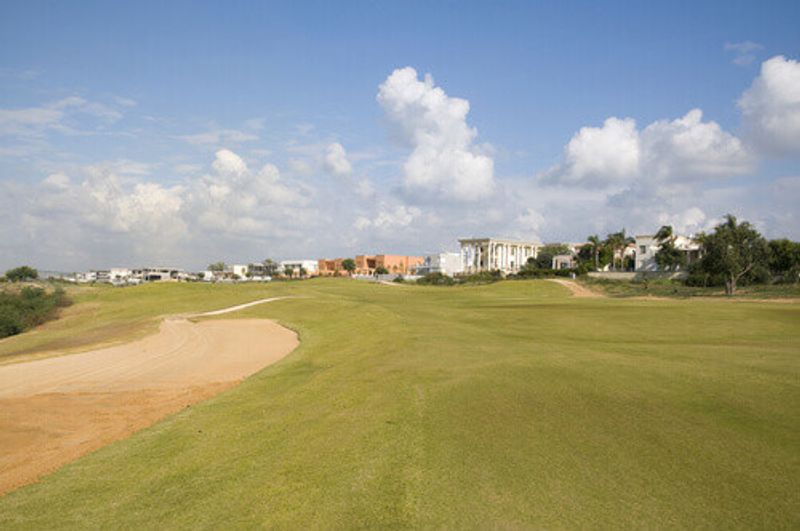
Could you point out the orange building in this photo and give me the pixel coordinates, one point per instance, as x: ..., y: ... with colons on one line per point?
x: 331, y: 268
x: 393, y: 263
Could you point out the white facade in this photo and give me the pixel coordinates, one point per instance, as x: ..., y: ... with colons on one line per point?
x: 309, y: 266
x: 239, y: 271
x: 647, y: 246
x: 446, y: 263
x: 488, y: 254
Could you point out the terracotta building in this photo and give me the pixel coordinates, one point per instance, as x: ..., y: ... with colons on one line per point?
x: 393, y: 263
x: 331, y: 268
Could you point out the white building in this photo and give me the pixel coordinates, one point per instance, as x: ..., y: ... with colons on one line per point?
x: 158, y: 274
x: 237, y: 271
x: 309, y: 266
x: 446, y: 263
x: 487, y: 254
x: 647, y: 246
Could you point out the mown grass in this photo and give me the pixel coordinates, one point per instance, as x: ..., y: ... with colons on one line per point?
x: 508, y: 405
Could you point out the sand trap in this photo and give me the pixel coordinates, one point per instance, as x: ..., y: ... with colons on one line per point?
x: 576, y: 289
x: 55, y: 410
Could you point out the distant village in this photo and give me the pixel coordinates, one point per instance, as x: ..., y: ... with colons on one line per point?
x: 477, y: 255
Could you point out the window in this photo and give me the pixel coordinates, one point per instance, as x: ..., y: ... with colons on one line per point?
x: 643, y: 249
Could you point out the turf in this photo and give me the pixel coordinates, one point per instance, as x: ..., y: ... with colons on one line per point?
x: 509, y: 405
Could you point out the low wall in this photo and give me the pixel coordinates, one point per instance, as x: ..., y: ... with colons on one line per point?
x: 638, y: 275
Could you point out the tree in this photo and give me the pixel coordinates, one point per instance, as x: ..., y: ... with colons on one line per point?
x: 217, y: 267
x: 595, y: 244
x: 303, y: 272
x: 668, y: 257
x: 380, y: 270
x: 22, y: 273
x: 784, y: 259
x: 288, y: 271
x: 545, y: 254
x: 618, y: 241
x: 270, y: 267
x: 733, y: 250
x: 349, y: 265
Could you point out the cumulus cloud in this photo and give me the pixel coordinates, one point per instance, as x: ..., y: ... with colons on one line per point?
x: 688, y: 148
x: 444, y: 159
x: 600, y: 155
x: 336, y: 162
x: 107, y: 214
x: 771, y: 107
x: 617, y: 153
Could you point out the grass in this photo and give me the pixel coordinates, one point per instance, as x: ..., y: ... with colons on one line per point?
x: 508, y: 405
x: 676, y: 288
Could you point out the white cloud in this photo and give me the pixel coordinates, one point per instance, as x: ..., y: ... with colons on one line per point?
x: 528, y: 224
x: 365, y: 189
x: 53, y: 116
x: 444, y: 159
x: 219, y: 137
x: 58, y: 181
x: 686, y: 148
x: 745, y: 51
x: 771, y: 107
x: 336, y: 162
x: 398, y: 216
x: 227, y: 163
x: 600, y: 155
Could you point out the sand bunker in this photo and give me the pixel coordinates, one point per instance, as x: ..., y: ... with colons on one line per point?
x: 55, y: 410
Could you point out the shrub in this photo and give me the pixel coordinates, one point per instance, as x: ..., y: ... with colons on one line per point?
x: 436, y: 279
x: 28, y: 308
x: 22, y: 273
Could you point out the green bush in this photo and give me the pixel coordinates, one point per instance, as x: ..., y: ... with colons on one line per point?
x: 28, y: 308
x: 436, y: 279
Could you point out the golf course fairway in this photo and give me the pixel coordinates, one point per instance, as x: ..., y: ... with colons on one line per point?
x: 510, y: 405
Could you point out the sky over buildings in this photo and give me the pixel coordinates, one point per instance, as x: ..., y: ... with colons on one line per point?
x: 187, y: 132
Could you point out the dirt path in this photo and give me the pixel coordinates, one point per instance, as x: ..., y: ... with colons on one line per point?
x: 576, y: 289
x: 55, y: 410
x: 239, y: 307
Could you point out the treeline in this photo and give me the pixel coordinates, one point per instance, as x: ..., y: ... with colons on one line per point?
x: 731, y: 255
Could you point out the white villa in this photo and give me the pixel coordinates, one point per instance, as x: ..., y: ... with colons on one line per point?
x: 647, y: 246
x: 311, y: 267
x: 487, y: 254
x: 446, y: 263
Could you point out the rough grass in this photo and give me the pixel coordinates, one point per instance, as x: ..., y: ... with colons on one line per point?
x: 509, y: 405
x: 676, y: 288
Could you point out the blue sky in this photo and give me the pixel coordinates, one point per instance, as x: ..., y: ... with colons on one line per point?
x: 189, y: 132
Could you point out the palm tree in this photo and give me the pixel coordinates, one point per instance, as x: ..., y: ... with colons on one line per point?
x: 618, y: 241
x: 270, y: 267
x: 664, y: 233
x: 594, y: 239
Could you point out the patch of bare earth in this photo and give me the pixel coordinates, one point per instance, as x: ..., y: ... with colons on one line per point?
x: 54, y: 410
x: 577, y: 289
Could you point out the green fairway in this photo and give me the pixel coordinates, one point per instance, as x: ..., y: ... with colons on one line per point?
x: 509, y: 405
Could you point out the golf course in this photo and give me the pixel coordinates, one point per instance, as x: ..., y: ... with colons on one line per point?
x: 516, y: 404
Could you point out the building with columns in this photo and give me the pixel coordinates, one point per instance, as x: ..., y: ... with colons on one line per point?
x: 488, y: 254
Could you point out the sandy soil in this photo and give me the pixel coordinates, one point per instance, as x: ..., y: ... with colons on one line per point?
x: 576, y: 289
x: 55, y: 410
